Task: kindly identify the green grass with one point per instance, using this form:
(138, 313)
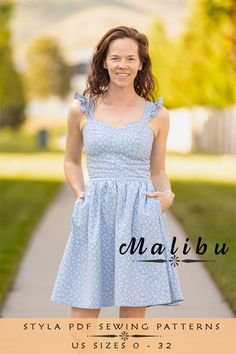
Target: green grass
(22, 205)
(37, 166)
(208, 209)
(25, 141)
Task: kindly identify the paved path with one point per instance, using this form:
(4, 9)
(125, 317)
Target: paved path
(30, 294)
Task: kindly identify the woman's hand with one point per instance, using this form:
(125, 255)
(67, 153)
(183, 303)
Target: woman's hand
(166, 198)
(80, 195)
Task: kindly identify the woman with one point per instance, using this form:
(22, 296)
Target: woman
(119, 215)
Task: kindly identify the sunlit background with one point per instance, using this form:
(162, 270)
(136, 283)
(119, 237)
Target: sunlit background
(45, 49)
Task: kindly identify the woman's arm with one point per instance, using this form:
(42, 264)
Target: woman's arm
(159, 178)
(74, 147)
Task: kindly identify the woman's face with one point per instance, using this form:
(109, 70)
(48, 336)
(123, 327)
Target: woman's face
(122, 61)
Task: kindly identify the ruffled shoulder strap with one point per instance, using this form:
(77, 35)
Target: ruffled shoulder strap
(151, 109)
(85, 103)
(155, 105)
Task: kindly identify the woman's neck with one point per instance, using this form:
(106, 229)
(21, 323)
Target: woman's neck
(116, 95)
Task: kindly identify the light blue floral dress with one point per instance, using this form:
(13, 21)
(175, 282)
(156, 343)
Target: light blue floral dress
(94, 271)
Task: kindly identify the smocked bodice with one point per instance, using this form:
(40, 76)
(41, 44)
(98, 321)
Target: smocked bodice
(122, 152)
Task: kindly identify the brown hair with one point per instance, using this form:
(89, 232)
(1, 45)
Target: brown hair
(98, 78)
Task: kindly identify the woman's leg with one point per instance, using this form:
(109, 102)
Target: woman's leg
(84, 313)
(132, 312)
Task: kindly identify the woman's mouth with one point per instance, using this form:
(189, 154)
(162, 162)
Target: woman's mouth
(122, 75)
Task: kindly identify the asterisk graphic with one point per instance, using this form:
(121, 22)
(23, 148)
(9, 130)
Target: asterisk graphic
(174, 261)
(124, 335)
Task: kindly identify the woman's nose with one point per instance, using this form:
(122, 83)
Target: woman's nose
(122, 64)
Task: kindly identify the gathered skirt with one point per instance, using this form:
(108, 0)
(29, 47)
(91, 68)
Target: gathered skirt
(103, 262)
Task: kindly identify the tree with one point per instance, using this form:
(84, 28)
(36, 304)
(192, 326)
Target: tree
(47, 73)
(12, 99)
(205, 55)
(199, 67)
(162, 58)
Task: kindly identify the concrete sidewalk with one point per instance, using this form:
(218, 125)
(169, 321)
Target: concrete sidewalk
(30, 294)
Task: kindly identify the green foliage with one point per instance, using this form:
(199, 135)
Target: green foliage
(47, 72)
(19, 217)
(207, 209)
(12, 100)
(163, 60)
(199, 68)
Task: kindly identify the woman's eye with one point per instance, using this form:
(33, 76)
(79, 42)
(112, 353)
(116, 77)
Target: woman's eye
(117, 58)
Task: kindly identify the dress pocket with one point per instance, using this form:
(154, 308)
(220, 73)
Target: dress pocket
(76, 213)
(81, 199)
(155, 204)
(78, 200)
(80, 213)
(159, 204)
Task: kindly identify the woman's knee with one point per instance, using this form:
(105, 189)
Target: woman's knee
(132, 312)
(84, 312)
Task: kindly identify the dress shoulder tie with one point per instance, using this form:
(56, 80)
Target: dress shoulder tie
(86, 103)
(156, 104)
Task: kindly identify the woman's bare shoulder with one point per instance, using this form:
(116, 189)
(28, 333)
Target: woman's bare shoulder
(160, 121)
(161, 115)
(76, 106)
(75, 113)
